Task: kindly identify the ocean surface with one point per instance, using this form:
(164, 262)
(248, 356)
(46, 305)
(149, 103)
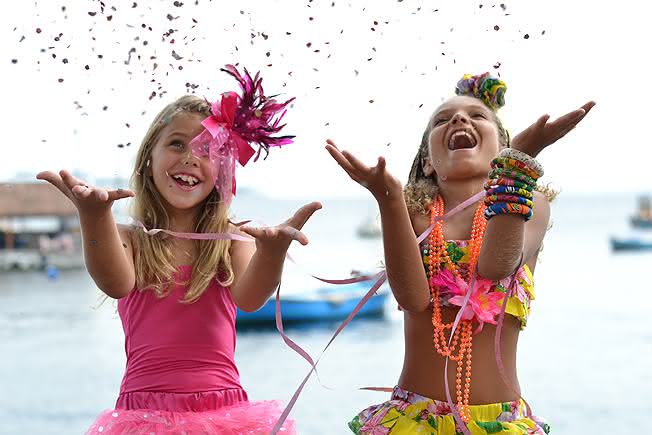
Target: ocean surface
(584, 359)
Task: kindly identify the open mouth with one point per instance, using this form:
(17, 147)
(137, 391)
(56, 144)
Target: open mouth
(461, 140)
(185, 181)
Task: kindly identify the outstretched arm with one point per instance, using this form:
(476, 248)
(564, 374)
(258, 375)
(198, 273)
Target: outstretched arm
(509, 239)
(405, 272)
(258, 268)
(107, 249)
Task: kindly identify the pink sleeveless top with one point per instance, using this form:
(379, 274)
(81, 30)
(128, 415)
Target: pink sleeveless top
(180, 356)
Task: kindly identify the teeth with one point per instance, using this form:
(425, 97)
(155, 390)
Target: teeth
(187, 178)
(461, 133)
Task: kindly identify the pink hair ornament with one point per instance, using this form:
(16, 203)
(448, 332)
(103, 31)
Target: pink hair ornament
(237, 122)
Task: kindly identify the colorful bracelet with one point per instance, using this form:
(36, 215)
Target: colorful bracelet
(509, 163)
(507, 182)
(492, 199)
(510, 173)
(527, 159)
(510, 190)
(499, 208)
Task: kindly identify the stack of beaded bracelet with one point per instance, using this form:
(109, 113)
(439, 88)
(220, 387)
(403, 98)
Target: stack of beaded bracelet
(512, 180)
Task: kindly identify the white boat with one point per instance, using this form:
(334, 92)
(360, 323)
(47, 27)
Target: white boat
(369, 228)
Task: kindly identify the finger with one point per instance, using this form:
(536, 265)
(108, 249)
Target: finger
(55, 179)
(295, 234)
(343, 162)
(48, 176)
(541, 122)
(253, 232)
(381, 165)
(114, 195)
(70, 180)
(241, 223)
(331, 142)
(588, 106)
(356, 163)
(571, 118)
(101, 195)
(303, 214)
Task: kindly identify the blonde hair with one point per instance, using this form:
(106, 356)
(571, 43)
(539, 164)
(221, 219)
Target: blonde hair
(153, 258)
(422, 189)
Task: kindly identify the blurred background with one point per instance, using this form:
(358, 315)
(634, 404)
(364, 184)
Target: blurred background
(81, 83)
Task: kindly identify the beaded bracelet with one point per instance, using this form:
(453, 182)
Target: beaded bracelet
(507, 208)
(510, 173)
(528, 160)
(507, 182)
(509, 163)
(492, 199)
(510, 190)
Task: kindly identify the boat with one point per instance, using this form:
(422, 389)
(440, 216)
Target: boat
(369, 228)
(321, 304)
(641, 222)
(643, 217)
(634, 242)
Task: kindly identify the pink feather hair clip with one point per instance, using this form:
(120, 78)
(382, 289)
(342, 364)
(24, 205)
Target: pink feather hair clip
(238, 122)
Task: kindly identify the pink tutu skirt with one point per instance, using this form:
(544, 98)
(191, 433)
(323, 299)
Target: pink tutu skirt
(242, 418)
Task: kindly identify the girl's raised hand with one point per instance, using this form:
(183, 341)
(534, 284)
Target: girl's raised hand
(542, 133)
(87, 199)
(376, 179)
(278, 238)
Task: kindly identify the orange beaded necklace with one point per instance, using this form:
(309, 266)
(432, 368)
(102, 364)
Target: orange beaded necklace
(464, 332)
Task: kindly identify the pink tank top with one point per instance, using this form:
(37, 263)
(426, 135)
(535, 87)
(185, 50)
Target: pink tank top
(177, 350)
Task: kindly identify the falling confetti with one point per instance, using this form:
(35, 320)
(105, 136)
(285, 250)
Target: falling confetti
(146, 36)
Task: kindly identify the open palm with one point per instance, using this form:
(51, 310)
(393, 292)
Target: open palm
(280, 236)
(85, 197)
(542, 133)
(376, 178)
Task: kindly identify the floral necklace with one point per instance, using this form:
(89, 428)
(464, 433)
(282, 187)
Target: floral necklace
(464, 332)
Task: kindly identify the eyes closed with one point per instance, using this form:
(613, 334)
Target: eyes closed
(442, 120)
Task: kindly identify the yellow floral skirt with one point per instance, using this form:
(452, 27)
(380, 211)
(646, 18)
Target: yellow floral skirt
(410, 413)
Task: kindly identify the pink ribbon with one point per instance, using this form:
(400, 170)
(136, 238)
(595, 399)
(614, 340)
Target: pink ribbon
(195, 236)
(222, 144)
(380, 279)
(279, 324)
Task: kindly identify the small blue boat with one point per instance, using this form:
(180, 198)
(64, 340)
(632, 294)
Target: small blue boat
(323, 304)
(632, 243)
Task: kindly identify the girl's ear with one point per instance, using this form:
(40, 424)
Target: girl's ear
(428, 169)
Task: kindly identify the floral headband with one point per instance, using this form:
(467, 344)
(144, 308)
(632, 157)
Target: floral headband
(489, 90)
